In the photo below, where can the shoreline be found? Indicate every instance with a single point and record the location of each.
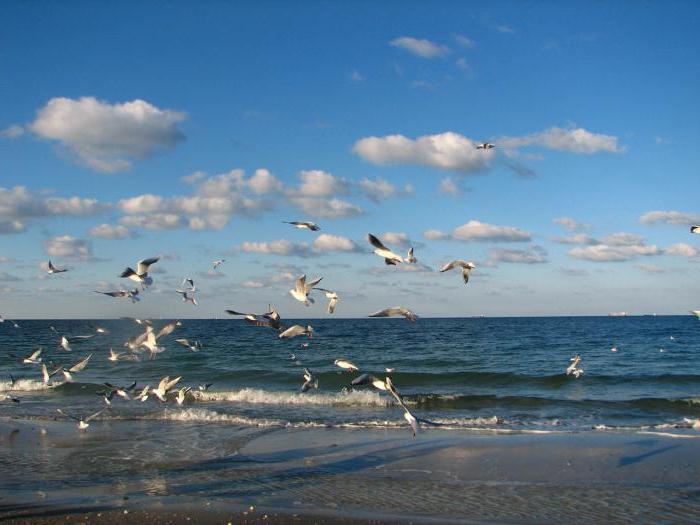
(353, 476)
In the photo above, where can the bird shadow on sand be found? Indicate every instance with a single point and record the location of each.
(630, 460)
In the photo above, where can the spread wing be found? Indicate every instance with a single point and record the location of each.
(144, 264)
(376, 242)
(81, 365)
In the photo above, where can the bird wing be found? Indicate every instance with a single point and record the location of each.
(363, 379)
(408, 314)
(465, 274)
(36, 354)
(167, 329)
(292, 331)
(387, 312)
(300, 284)
(81, 365)
(183, 342)
(309, 286)
(143, 265)
(170, 384)
(332, 304)
(376, 242)
(67, 415)
(93, 416)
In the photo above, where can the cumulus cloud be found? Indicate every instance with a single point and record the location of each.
(681, 250)
(480, 231)
(263, 182)
(278, 247)
(69, 247)
(397, 239)
(12, 132)
(572, 225)
(532, 255)
(576, 239)
(447, 151)
(608, 253)
(378, 190)
(420, 47)
(107, 137)
(464, 41)
(327, 208)
(650, 268)
(670, 217)
(111, 231)
(334, 243)
(250, 283)
(572, 140)
(435, 235)
(450, 186)
(154, 221)
(19, 205)
(318, 183)
(623, 239)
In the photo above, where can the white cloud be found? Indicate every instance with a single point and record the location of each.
(334, 243)
(681, 250)
(356, 76)
(18, 205)
(397, 239)
(194, 177)
(573, 140)
(279, 247)
(252, 284)
(670, 217)
(447, 151)
(106, 137)
(435, 235)
(146, 203)
(379, 189)
(572, 225)
(623, 239)
(464, 41)
(420, 47)
(505, 29)
(650, 268)
(479, 231)
(318, 183)
(12, 132)
(263, 182)
(154, 221)
(450, 186)
(576, 239)
(69, 247)
(532, 255)
(327, 208)
(607, 253)
(110, 231)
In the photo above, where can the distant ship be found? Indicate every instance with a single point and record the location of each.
(617, 314)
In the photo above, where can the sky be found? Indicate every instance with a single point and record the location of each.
(189, 131)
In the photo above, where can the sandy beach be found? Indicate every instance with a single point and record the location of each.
(357, 476)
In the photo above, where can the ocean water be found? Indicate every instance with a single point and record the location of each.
(503, 374)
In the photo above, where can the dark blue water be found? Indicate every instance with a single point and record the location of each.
(499, 373)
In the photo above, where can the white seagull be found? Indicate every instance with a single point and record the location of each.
(304, 225)
(410, 418)
(168, 329)
(193, 347)
(573, 369)
(466, 267)
(33, 359)
(410, 258)
(164, 387)
(696, 313)
(189, 282)
(78, 367)
(333, 299)
(186, 297)
(63, 343)
(141, 274)
(345, 365)
(301, 289)
(123, 294)
(181, 394)
(296, 330)
(309, 381)
(114, 356)
(83, 422)
(51, 269)
(368, 379)
(384, 252)
(217, 263)
(695, 229)
(151, 342)
(394, 312)
(143, 396)
(485, 145)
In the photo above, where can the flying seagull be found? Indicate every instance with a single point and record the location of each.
(141, 274)
(696, 313)
(485, 145)
(394, 312)
(384, 252)
(194, 347)
(573, 369)
(123, 294)
(181, 394)
(309, 381)
(217, 263)
(143, 396)
(304, 225)
(271, 318)
(368, 379)
(186, 297)
(333, 296)
(33, 359)
(114, 356)
(51, 269)
(410, 258)
(164, 387)
(301, 289)
(189, 282)
(410, 418)
(466, 267)
(168, 329)
(296, 330)
(78, 367)
(151, 342)
(345, 365)
(121, 391)
(83, 422)
(64, 343)
(695, 229)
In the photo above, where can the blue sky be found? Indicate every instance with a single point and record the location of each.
(192, 131)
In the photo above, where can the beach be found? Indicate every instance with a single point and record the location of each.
(289, 475)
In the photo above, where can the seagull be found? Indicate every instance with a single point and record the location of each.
(271, 318)
(346, 365)
(194, 347)
(6, 397)
(123, 294)
(333, 296)
(296, 330)
(695, 229)
(78, 367)
(51, 269)
(151, 342)
(114, 356)
(395, 311)
(121, 391)
(46, 377)
(304, 225)
(187, 298)
(141, 274)
(164, 387)
(189, 282)
(466, 267)
(485, 145)
(217, 263)
(384, 252)
(106, 396)
(301, 289)
(573, 369)
(168, 329)
(410, 258)
(204, 387)
(63, 343)
(309, 381)
(410, 418)
(180, 399)
(696, 313)
(368, 379)
(101, 330)
(83, 422)
(143, 396)
(33, 359)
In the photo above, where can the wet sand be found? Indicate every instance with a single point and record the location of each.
(361, 476)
